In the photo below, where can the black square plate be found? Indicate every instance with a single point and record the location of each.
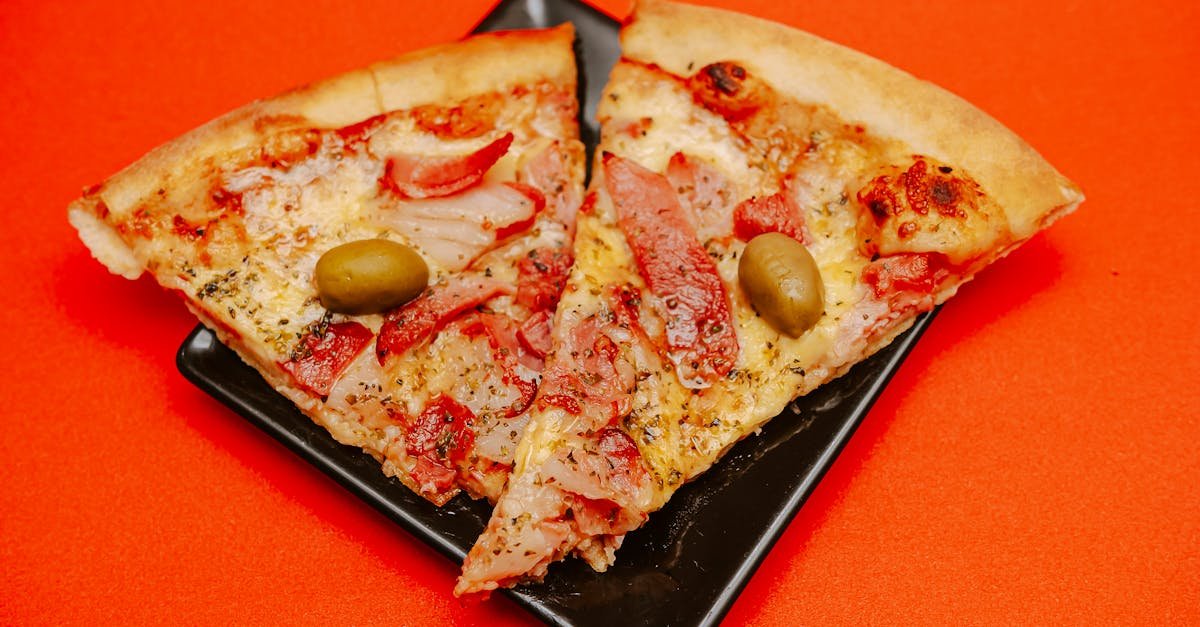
(689, 562)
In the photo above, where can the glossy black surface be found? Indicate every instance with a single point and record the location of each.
(689, 562)
(596, 46)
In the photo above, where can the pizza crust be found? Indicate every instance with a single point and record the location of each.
(888, 101)
(481, 64)
(105, 243)
(477, 65)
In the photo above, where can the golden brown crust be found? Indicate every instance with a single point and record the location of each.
(480, 64)
(890, 102)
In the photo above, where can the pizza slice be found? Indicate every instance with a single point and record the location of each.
(386, 247)
(767, 209)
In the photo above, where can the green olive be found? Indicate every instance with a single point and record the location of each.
(783, 283)
(369, 276)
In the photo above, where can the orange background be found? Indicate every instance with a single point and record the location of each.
(1035, 459)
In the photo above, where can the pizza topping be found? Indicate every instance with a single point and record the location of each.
(928, 208)
(592, 372)
(704, 192)
(534, 334)
(776, 213)
(140, 222)
(550, 173)
(360, 131)
(324, 352)
(699, 327)
(477, 361)
(912, 272)
(525, 534)
(358, 392)
(728, 90)
(425, 316)
(453, 232)
(594, 517)
(520, 226)
(635, 128)
(589, 378)
(552, 398)
(541, 276)
(421, 176)
(501, 333)
(607, 467)
(439, 438)
(185, 229)
(623, 458)
(588, 207)
(369, 276)
(783, 283)
(433, 479)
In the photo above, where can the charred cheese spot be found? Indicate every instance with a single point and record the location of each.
(927, 207)
(726, 88)
(726, 77)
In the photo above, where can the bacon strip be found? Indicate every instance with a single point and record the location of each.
(520, 226)
(541, 277)
(420, 319)
(322, 356)
(419, 176)
(360, 131)
(677, 269)
(439, 439)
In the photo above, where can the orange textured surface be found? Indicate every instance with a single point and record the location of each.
(1036, 458)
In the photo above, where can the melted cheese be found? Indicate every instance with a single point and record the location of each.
(681, 434)
(240, 234)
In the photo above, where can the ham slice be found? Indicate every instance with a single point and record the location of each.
(705, 194)
(422, 176)
(585, 486)
(548, 172)
(455, 230)
(700, 337)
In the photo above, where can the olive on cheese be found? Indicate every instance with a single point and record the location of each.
(783, 283)
(369, 276)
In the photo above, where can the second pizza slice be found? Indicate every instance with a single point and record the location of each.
(767, 210)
